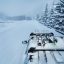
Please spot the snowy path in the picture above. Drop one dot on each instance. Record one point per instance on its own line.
(11, 48)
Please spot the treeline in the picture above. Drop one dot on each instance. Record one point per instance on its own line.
(53, 18)
(14, 18)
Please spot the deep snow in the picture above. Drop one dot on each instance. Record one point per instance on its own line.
(11, 37)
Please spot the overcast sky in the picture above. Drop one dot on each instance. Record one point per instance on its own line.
(23, 7)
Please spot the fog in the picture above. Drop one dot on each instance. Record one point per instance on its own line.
(23, 7)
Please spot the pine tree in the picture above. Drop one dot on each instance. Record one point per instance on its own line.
(51, 18)
(59, 15)
(60, 10)
(51, 15)
(45, 17)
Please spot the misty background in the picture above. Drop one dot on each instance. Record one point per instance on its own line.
(23, 7)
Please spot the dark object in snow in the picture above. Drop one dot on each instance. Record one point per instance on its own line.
(32, 34)
(45, 56)
(47, 34)
(61, 37)
(50, 41)
(24, 42)
(31, 50)
(51, 34)
(55, 40)
(49, 49)
(44, 44)
(32, 37)
(39, 44)
(30, 58)
(42, 34)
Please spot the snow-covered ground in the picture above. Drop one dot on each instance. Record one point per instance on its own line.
(11, 36)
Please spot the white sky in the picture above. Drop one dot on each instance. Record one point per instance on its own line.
(21, 7)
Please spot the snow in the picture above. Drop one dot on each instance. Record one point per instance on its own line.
(33, 43)
(58, 45)
(62, 53)
(58, 57)
(50, 58)
(41, 58)
(35, 60)
(12, 51)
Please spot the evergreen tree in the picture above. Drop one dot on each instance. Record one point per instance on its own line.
(45, 17)
(51, 18)
(60, 10)
(51, 15)
(59, 15)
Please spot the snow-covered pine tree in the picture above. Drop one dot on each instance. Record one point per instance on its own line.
(45, 17)
(51, 14)
(59, 16)
(51, 18)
